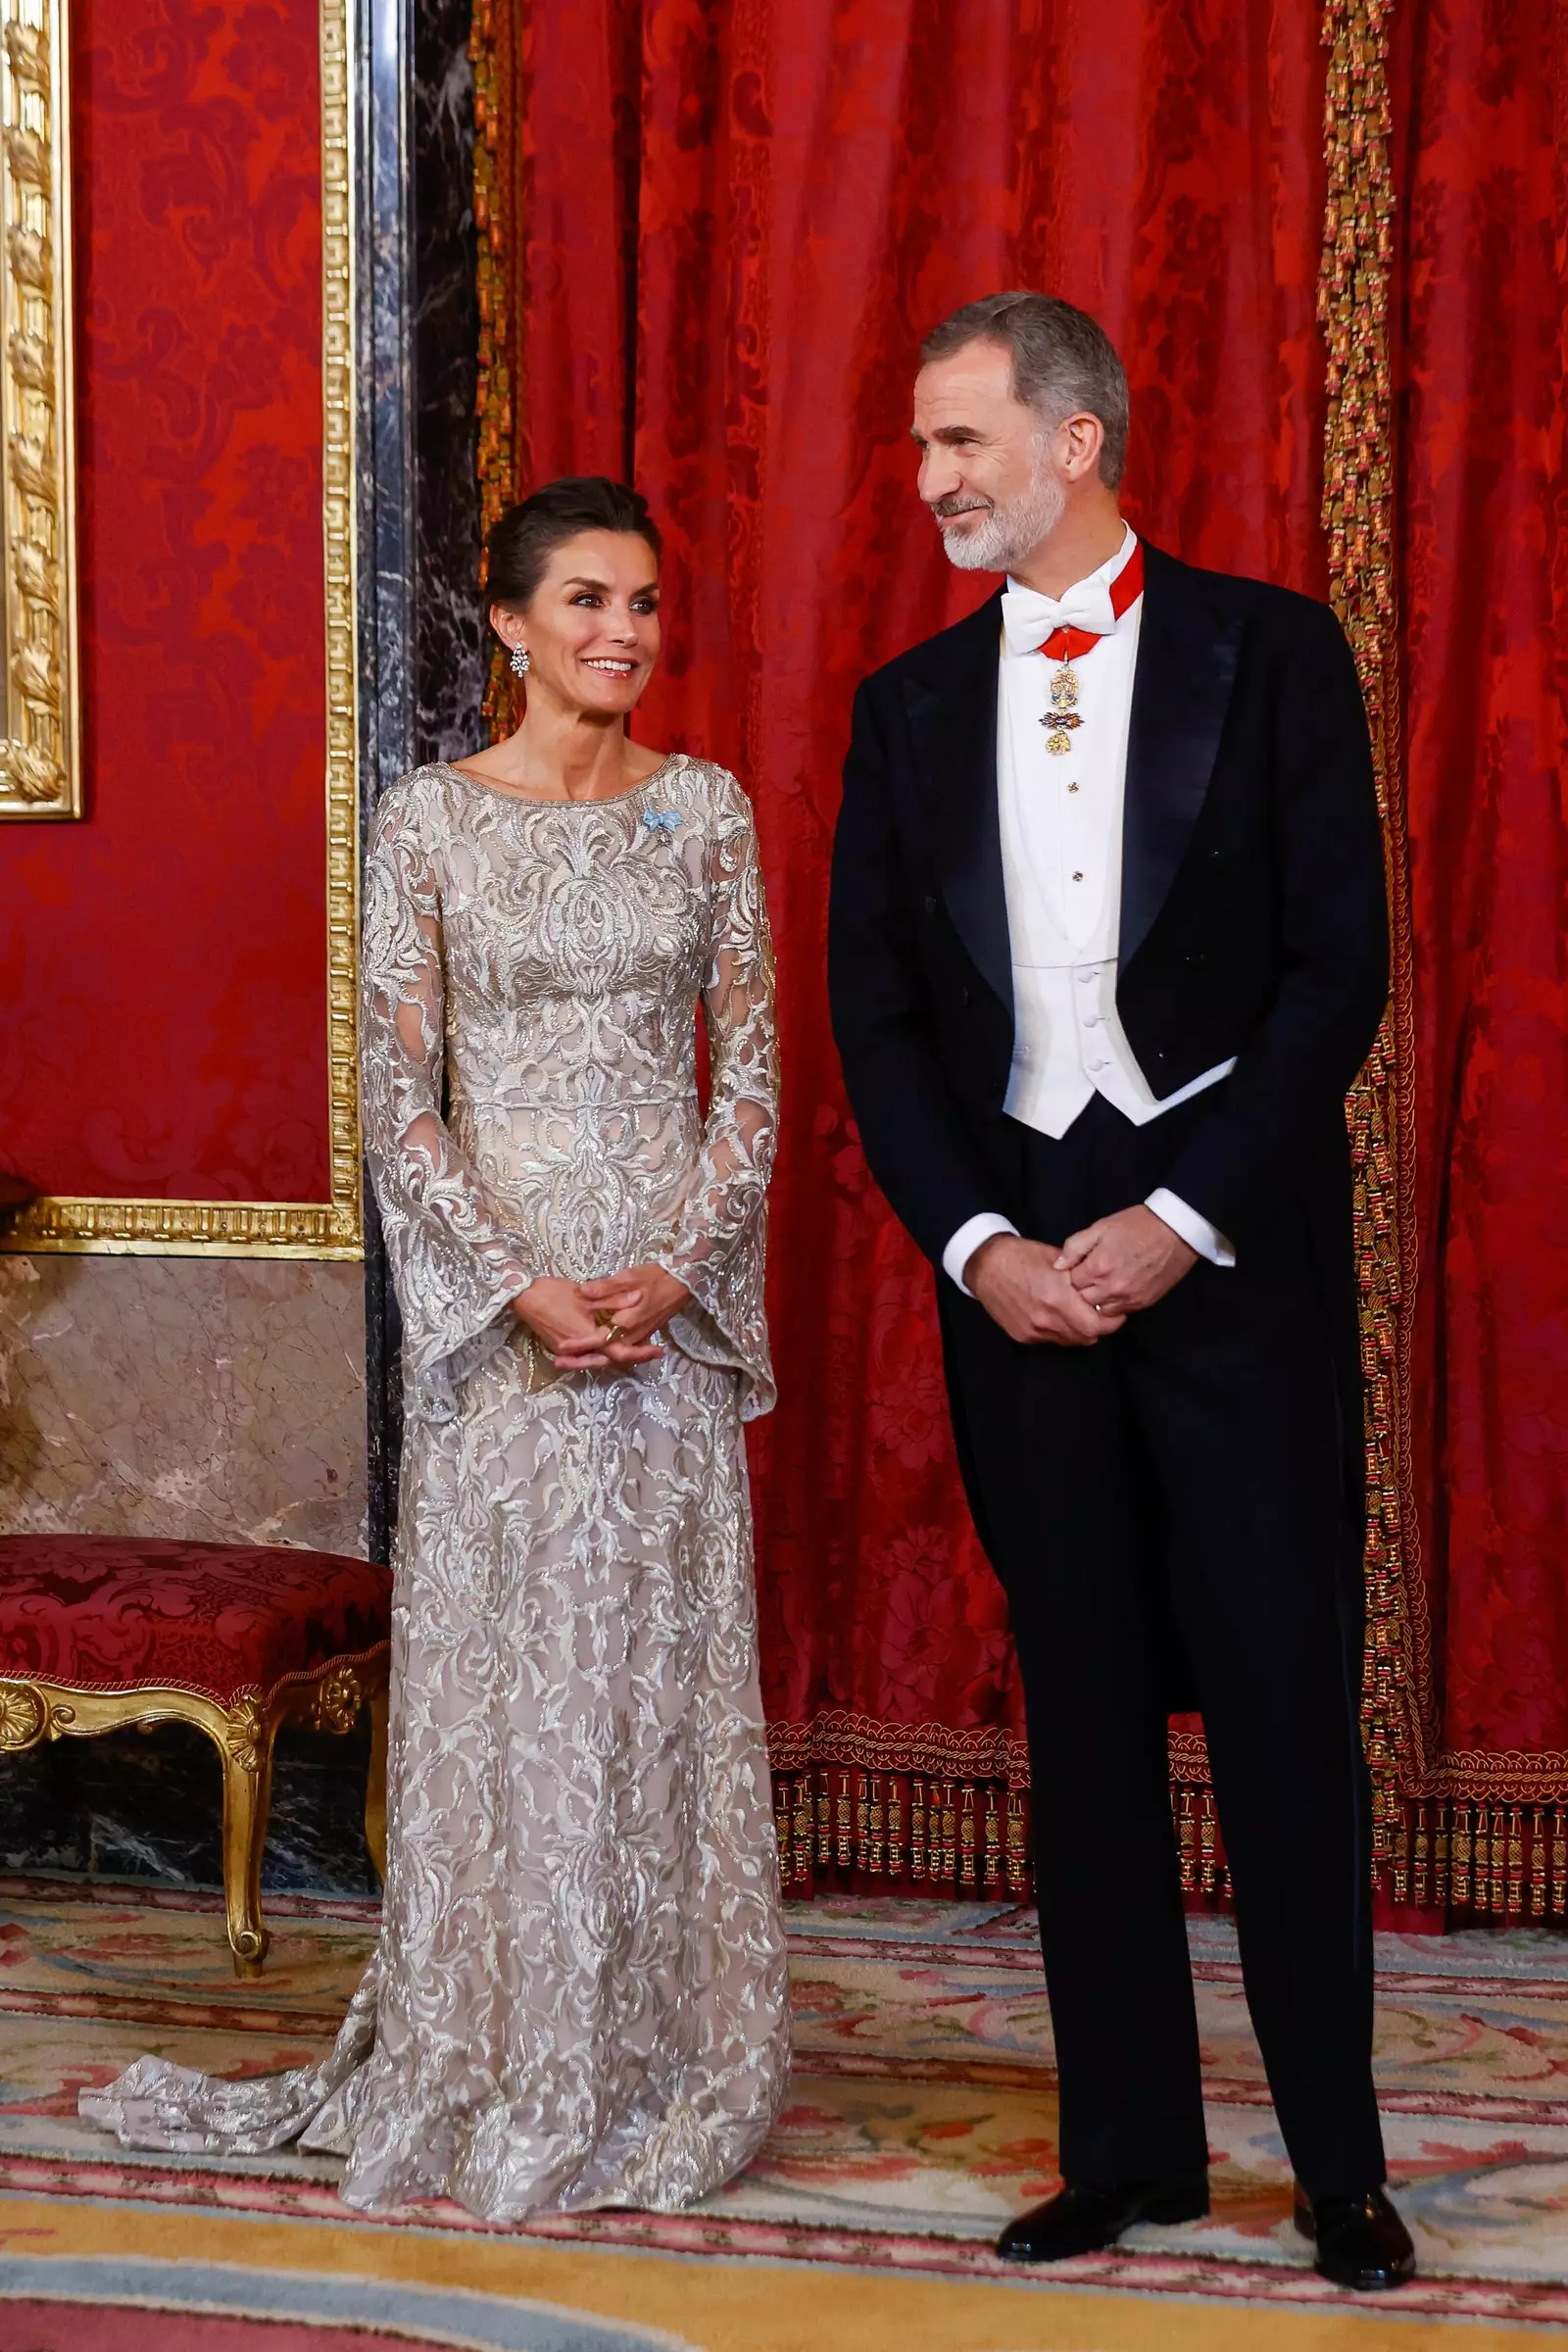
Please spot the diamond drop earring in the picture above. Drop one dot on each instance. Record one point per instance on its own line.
(521, 664)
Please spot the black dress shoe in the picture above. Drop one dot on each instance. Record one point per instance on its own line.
(1361, 2242)
(1080, 2221)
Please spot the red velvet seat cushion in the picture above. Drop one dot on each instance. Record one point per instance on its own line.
(115, 1613)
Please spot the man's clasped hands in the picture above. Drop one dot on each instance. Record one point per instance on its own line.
(1072, 1297)
(589, 1325)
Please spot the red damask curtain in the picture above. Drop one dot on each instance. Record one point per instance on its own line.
(1482, 488)
(713, 233)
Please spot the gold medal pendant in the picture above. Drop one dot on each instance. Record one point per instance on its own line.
(1063, 716)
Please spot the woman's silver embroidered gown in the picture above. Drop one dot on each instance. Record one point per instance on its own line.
(579, 1992)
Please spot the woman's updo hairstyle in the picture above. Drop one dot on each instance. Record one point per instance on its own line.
(526, 537)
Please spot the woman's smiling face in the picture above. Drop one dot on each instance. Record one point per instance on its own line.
(591, 627)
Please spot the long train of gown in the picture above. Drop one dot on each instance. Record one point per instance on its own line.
(578, 1996)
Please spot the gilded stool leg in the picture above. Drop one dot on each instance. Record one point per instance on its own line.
(376, 1784)
(247, 1752)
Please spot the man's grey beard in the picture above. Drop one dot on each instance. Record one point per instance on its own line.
(1008, 535)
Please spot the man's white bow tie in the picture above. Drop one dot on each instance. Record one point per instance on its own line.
(1028, 619)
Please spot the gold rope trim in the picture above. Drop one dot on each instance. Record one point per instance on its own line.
(493, 52)
(1352, 307)
(838, 1737)
(1354, 288)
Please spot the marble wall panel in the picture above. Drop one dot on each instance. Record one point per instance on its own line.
(444, 324)
(217, 1400)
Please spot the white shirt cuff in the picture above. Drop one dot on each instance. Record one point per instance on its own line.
(1196, 1231)
(967, 1240)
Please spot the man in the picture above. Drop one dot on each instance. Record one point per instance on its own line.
(1108, 943)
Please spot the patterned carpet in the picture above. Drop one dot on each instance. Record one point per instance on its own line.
(921, 2116)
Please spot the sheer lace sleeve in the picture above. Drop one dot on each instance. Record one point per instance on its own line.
(717, 1242)
(453, 1265)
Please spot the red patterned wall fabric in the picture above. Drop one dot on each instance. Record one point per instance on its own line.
(163, 964)
(1484, 498)
(791, 196)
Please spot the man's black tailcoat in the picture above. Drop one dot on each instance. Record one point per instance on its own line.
(1253, 918)
(1190, 1484)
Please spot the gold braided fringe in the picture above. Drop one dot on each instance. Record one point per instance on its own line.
(493, 54)
(1352, 305)
(901, 1833)
(1354, 288)
(900, 1808)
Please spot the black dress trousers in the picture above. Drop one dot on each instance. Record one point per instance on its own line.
(1172, 1503)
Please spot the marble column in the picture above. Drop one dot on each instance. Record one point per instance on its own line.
(445, 337)
(419, 620)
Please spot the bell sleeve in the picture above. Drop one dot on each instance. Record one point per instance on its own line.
(717, 1241)
(454, 1266)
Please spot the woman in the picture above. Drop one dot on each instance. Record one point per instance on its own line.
(579, 1994)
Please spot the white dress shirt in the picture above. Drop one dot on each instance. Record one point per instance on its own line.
(1061, 834)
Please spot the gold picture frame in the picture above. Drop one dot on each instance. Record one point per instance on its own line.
(333, 1228)
(41, 736)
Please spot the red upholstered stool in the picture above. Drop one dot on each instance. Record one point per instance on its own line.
(101, 1631)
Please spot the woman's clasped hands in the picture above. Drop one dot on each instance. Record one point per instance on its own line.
(589, 1326)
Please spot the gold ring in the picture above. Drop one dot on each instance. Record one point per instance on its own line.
(613, 1332)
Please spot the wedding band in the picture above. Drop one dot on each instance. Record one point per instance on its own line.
(613, 1332)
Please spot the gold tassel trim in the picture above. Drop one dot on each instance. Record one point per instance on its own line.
(839, 1827)
(968, 1839)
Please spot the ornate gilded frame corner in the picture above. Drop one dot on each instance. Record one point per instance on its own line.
(41, 736)
(243, 1733)
(317, 1229)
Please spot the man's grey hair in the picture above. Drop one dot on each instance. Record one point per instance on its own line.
(1063, 362)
